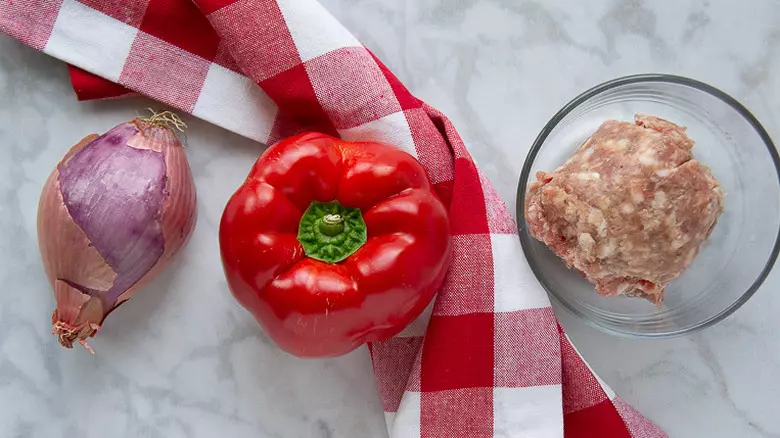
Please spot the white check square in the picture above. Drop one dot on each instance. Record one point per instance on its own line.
(89, 39)
(314, 30)
(233, 101)
(535, 411)
(516, 287)
(407, 420)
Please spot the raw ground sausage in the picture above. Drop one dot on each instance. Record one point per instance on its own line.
(630, 209)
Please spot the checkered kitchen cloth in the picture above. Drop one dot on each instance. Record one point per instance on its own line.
(489, 358)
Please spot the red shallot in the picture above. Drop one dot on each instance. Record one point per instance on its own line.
(111, 215)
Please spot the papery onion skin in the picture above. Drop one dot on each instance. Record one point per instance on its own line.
(111, 215)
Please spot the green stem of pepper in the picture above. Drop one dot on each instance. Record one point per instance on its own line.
(331, 232)
(332, 225)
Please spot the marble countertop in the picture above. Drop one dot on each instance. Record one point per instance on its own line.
(182, 359)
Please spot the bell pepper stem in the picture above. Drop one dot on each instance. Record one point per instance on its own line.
(331, 232)
(332, 225)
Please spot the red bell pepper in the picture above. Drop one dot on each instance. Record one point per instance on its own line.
(331, 244)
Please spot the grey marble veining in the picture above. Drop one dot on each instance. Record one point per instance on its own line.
(182, 359)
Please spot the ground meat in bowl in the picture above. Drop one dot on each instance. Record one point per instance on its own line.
(630, 209)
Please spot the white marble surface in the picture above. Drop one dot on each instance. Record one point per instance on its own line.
(183, 360)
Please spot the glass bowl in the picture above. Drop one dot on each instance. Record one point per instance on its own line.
(743, 246)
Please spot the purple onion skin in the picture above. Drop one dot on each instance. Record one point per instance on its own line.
(115, 193)
(111, 216)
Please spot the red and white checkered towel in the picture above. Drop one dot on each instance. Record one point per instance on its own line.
(489, 359)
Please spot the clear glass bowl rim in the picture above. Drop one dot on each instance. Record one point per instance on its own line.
(526, 240)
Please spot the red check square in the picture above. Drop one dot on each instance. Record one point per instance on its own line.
(393, 360)
(180, 23)
(153, 62)
(29, 21)
(457, 413)
(458, 353)
(88, 86)
(468, 287)
(444, 190)
(581, 390)
(128, 12)
(448, 131)
(225, 59)
(598, 421)
(528, 351)
(432, 151)
(468, 212)
(257, 27)
(351, 88)
(292, 92)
